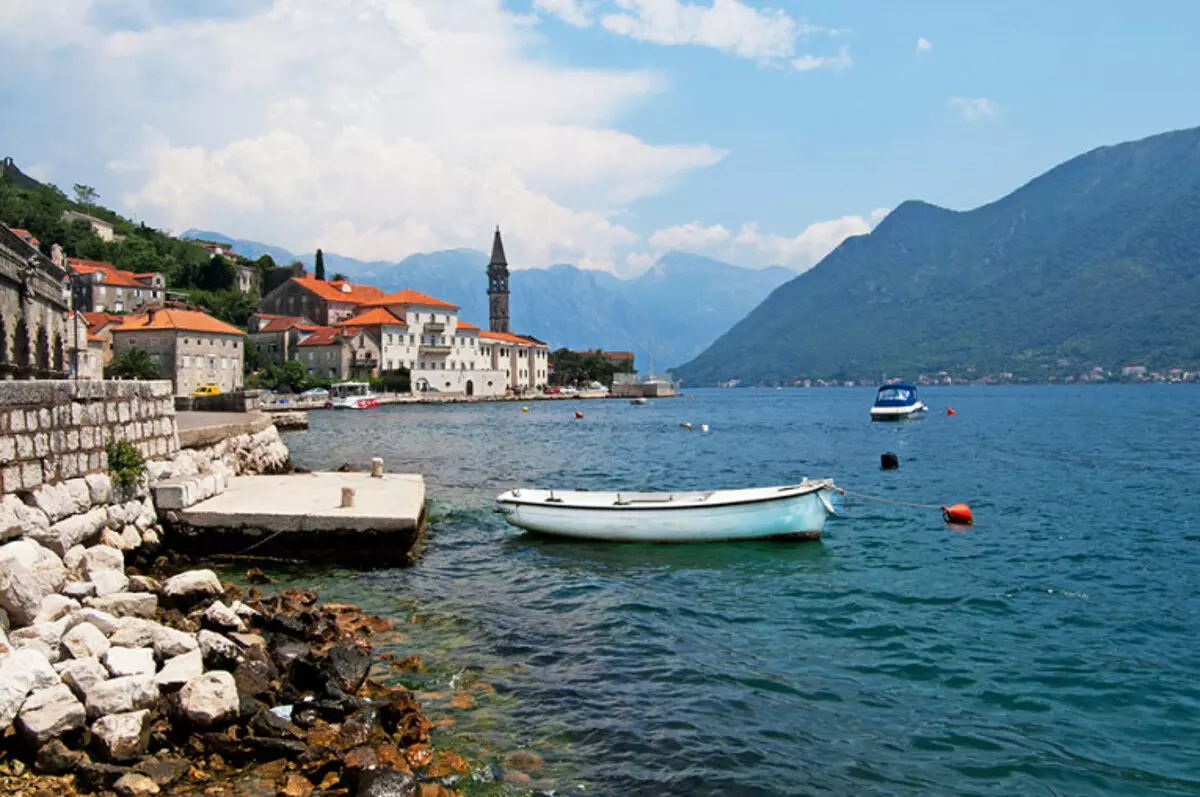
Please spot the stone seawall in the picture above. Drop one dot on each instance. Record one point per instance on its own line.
(52, 431)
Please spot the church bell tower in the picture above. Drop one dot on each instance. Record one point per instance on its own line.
(498, 287)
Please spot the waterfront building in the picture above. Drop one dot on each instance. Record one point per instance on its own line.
(33, 311)
(191, 348)
(274, 338)
(338, 353)
(102, 287)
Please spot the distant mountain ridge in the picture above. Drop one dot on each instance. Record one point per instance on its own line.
(1095, 262)
(668, 314)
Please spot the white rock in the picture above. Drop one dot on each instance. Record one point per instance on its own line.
(135, 784)
(122, 737)
(120, 695)
(78, 590)
(82, 674)
(85, 640)
(28, 573)
(129, 661)
(53, 499)
(49, 713)
(116, 516)
(242, 610)
(111, 538)
(100, 487)
(146, 516)
(5, 647)
(55, 607)
(131, 538)
(144, 584)
(108, 582)
(44, 637)
(126, 604)
(21, 672)
(209, 699)
(73, 561)
(106, 622)
(99, 558)
(193, 586)
(218, 649)
(169, 643)
(218, 615)
(17, 519)
(4, 622)
(180, 670)
(81, 496)
(71, 531)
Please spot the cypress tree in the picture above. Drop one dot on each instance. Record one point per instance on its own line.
(320, 265)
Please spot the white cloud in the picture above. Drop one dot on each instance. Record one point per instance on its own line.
(974, 108)
(834, 63)
(729, 25)
(924, 45)
(573, 12)
(752, 247)
(374, 129)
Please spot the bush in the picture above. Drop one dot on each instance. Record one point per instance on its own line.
(125, 463)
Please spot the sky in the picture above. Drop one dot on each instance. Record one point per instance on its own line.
(602, 133)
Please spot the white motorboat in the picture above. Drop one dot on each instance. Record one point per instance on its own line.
(897, 401)
(795, 511)
(638, 400)
(351, 396)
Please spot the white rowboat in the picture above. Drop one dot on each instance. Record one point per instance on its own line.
(795, 511)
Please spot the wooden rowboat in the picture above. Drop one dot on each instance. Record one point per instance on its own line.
(795, 511)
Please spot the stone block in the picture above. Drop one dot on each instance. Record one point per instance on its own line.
(108, 624)
(75, 530)
(100, 487)
(68, 468)
(22, 672)
(122, 695)
(77, 413)
(176, 493)
(72, 440)
(81, 674)
(123, 412)
(8, 449)
(87, 438)
(49, 713)
(44, 421)
(85, 641)
(31, 420)
(129, 661)
(126, 604)
(31, 475)
(81, 495)
(110, 582)
(24, 446)
(41, 444)
(16, 421)
(210, 699)
(181, 669)
(12, 478)
(28, 573)
(55, 607)
(192, 587)
(122, 737)
(110, 411)
(19, 520)
(43, 637)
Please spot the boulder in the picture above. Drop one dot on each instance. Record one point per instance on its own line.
(110, 582)
(117, 516)
(169, 643)
(72, 531)
(131, 538)
(5, 625)
(100, 487)
(49, 713)
(192, 587)
(135, 632)
(55, 758)
(18, 519)
(347, 665)
(107, 623)
(242, 610)
(122, 737)
(81, 496)
(99, 558)
(249, 640)
(45, 637)
(221, 617)
(85, 641)
(93, 776)
(82, 674)
(254, 677)
(54, 607)
(73, 561)
(219, 652)
(129, 661)
(21, 672)
(150, 537)
(120, 695)
(144, 584)
(5, 646)
(386, 782)
(126, 604)
(78, 590)
(135, 785)
(28, 573)
(54, 500)
(209, 699)
(180, 670)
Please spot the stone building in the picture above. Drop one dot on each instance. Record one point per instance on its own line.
(191, 348)
(326, 303)
(102, 287)
(274, 338)
(103, 229)
(85, 351)
(33, 311)
(338, 353)
(498, 287)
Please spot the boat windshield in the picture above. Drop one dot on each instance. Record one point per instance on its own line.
(349, 389)
(894, 394)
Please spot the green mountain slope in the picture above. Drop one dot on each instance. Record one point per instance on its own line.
(1096, 262)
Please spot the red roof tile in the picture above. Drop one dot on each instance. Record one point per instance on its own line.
(280, 323)
(112, 274)
(333, 291)
(467, 326)
(322, 336)
(376, 316)
(510, 338)
(180, 320)
(409, 296)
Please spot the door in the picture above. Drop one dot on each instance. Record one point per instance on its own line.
(470, 388)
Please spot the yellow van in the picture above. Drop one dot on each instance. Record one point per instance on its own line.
(207, 390)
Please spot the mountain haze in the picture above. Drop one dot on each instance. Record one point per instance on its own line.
(669, 313)
(1096, 262)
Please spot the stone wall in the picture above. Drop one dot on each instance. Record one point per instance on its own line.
(52, 431)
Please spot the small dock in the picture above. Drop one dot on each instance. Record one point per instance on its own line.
(330, 517)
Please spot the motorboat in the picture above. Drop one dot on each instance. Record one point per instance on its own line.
(351, 396)
(638, 400)
(897, 401)
(795, 511)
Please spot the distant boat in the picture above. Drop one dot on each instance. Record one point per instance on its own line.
(897, 401)
(638, 400)
(351, 396)
(796, 511)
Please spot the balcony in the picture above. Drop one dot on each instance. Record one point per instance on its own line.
(434, 326)
(427, 350)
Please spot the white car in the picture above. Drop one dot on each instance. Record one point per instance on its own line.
(315, 393)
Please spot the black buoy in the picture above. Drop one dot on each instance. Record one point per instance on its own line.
(889, 461)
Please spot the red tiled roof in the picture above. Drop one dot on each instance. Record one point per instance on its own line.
(94, 338)
(98, 321)
(180, 320)
(510, 338)
(322, 336)
(467, 326)
(25, 235)
(409, 296)
(376, 316)
(280, 323)
(332, 291)
(112, 274)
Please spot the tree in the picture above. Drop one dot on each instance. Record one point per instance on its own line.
(319, 267)
(131, 362)
(85, 194)
(339, 277)
(216, 275)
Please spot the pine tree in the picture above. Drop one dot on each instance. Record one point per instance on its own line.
(320, 265)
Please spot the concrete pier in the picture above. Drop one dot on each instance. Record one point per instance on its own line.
(300, 516)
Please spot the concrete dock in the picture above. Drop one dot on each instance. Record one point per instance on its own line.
(300, 516)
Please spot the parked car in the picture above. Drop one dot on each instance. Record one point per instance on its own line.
(207, 390)
(315, 393)
(554, 389)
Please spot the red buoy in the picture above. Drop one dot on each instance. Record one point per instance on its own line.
(958, 515)
(578, 414)
(950, 411)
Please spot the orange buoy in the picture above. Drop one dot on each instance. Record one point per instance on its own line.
(578, 414)
(950, 411)
(958, 515)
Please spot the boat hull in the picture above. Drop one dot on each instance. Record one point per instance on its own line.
(352, 402)
(898, 413)
(796, 512)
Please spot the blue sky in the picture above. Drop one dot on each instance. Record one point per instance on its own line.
(599, 132)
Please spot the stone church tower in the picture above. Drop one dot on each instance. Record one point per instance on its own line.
(498, 287)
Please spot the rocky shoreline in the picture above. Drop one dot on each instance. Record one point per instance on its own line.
(189, 686)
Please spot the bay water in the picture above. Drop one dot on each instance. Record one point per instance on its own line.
(1053, 648)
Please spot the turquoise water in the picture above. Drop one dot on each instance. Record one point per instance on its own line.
(1054, 648)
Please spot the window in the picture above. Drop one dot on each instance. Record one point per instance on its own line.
(212, 363)
(310, 356)
(224, 363)
(187, 361)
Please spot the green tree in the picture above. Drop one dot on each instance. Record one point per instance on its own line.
(319, 266)
(217, 275)
(339, 277)
(131, 362)
(85, 194)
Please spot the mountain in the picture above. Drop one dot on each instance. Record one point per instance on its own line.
(1096, 262)
(669, 313)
